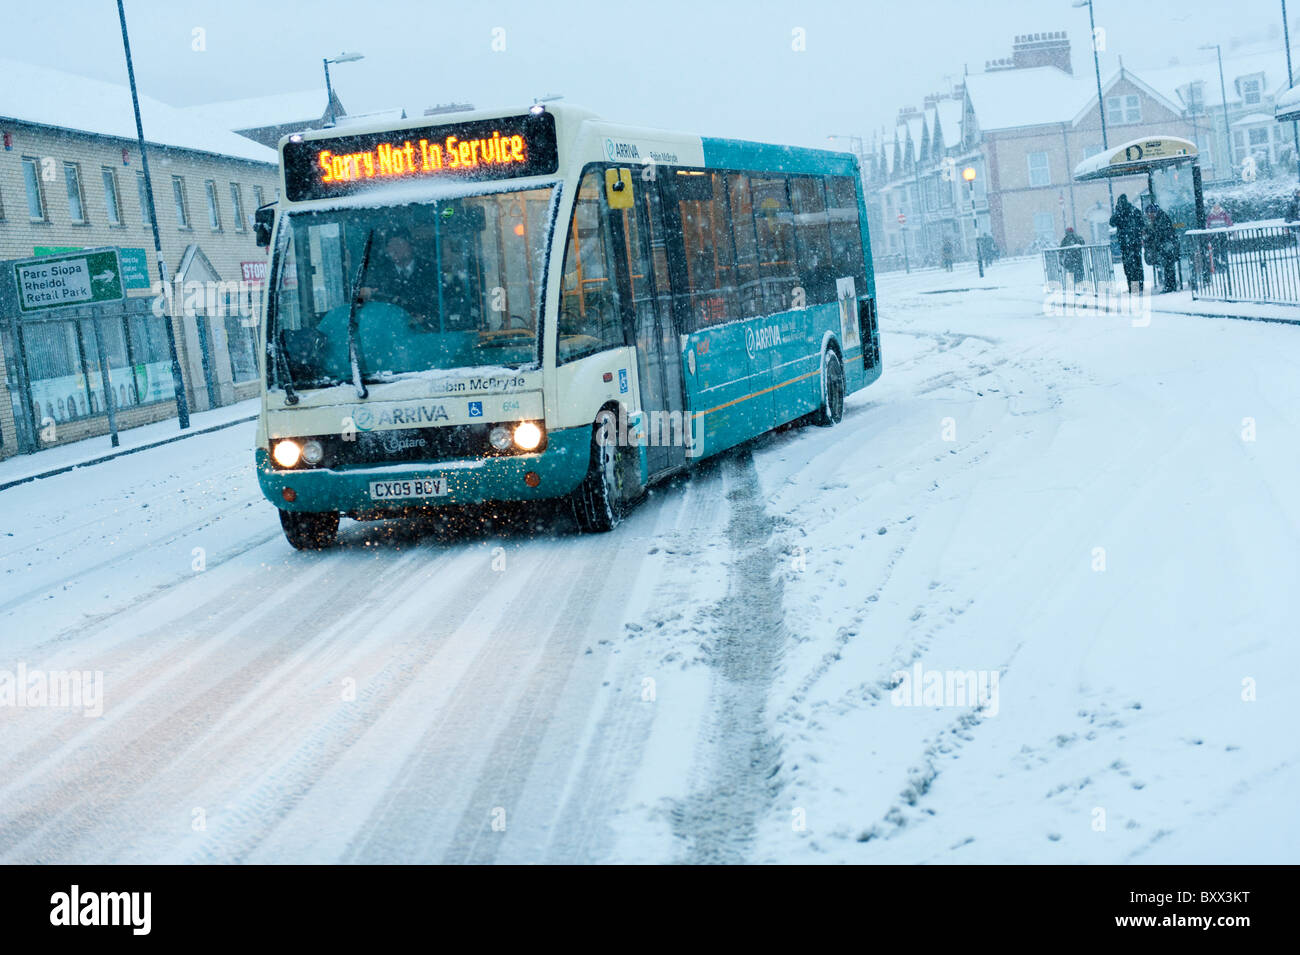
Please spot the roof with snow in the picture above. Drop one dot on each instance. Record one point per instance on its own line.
(260, 111)
(47, 97)
(1037, 96)
(1266, 63)
(1288, 105)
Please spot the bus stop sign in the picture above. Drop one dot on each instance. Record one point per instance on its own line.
(73, 278)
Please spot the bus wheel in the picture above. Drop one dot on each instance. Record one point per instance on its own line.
(599, 502)
(832, 407)
(310, 531)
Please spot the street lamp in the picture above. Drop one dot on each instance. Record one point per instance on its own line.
(969, 175)
(1290, 79)
(1101, 106)
(329, 90)
(1223, 94)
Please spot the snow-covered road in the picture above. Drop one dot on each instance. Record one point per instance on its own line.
(1098, 522)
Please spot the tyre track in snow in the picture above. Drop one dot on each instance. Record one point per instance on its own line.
(153, 733)
(738, 758)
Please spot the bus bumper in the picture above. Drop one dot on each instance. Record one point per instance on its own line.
(558, 470)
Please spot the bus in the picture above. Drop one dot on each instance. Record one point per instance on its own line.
(537, 304)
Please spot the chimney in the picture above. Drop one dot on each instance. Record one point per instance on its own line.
(1042, 49)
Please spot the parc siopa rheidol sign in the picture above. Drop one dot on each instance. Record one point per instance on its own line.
(72, 278)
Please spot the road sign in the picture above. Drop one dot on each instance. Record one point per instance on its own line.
(135, 268)
(902, 218)
(73, 278)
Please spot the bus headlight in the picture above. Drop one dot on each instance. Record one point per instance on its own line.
(312, 453)
(527, 436)
(499, 437)
(286, 453)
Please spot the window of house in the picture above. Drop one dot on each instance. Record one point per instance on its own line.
(1045, 227)
(1040, 170)
(1250, 90)
(112, 207)
(1123, 110)
(178, 196)
(259, 199)
(76, 200)
(214, 213)
(142, 190)
(237, 206)
(1258, 136)
(32, 180)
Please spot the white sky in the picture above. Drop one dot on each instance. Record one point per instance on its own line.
(724, 69)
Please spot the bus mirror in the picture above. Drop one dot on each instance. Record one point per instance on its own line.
(263, 222)
(618, 188)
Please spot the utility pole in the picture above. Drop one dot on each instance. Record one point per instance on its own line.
(178, 382)
(1290, 77)
(1101, 105)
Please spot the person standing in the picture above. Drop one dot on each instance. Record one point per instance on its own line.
(947, 253)
(1072, 258)
(1128, 227)
(1162, 246)
(1217, 219)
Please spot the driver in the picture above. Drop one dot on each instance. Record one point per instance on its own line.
(397, 276)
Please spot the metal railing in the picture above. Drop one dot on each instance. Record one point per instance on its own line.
(1079, 266)
(1252, 262)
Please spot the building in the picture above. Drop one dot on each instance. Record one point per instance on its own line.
(1022, 125)
(70, 178)
(263, 118)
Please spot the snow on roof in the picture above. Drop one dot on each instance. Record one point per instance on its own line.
(950, 112)
(38, 94)
(1253, 119)
(1005, 99)
(1288, 104)
(258, 112)
(1168, 80)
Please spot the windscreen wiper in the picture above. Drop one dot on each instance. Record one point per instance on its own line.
(354, 356)
(286, 377)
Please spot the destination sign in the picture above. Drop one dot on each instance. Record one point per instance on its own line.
(504, 148)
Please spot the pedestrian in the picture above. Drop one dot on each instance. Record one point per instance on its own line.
(1162, 246)
(1218, 217)
(1072, 258)
(1128, 229)
(947, 253)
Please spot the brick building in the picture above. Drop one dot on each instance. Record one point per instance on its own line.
(70, 178)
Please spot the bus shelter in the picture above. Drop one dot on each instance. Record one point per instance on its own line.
(1171, 169)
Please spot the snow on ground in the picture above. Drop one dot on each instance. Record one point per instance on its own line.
(715, 680)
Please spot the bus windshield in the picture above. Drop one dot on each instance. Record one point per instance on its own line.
(454, 283)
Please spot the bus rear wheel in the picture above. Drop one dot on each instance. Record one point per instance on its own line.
(600, 501)
(306, 531)
(832, 408)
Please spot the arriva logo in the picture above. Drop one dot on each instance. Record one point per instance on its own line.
(365, 418)
(615, 150)
(763, 339)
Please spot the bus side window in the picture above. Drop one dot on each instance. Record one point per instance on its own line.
(589, 319)
(812, 240)
(776, 253)
(749, 285)
(706, 237)
(846, 230)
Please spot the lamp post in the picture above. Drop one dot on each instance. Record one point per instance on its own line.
(1290, 78)
(329, 90)
(969, 175)
(178, 381)
(1101, 105)
(1223, 95)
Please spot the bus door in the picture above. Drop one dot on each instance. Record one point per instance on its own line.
(643, 280)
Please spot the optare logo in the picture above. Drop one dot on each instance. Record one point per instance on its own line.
(363, 418)
(476, 409)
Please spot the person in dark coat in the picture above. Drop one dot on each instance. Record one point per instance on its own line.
(1293, 207)
(947, 253)
(1128, 227)
(1072, 259)
(1162, 246)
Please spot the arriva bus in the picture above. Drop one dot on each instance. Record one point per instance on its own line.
(538, 304)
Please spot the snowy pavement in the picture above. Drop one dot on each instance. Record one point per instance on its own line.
(1097, 522)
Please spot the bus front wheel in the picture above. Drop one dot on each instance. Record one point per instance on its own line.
(832, 406)
(600, 501)
(307, 531)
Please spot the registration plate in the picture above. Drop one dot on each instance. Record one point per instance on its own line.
(412, 487)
